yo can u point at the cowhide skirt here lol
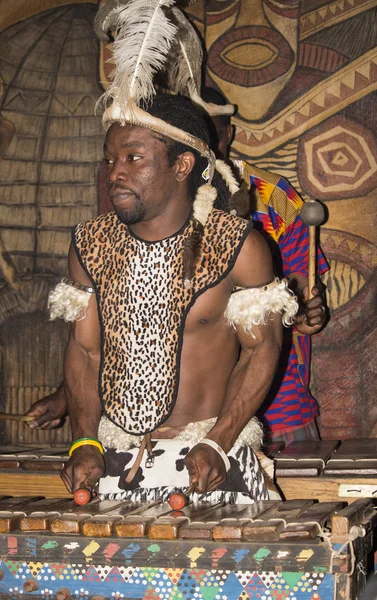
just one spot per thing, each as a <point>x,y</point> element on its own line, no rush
<point>244,482</point>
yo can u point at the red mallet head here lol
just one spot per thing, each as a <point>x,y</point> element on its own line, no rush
<point>177,501</point>
<point>81,497</point>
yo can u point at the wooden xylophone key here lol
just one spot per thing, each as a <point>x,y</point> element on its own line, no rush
<point>10,456</point>
<point>11,511</point>
<point>72,520</point>
<point>106,525</point>
<point>44,463</point>
<point>304,458</point>
<point>269,523</point>
<point>355,458</point>
<point>232,528</point>
<point>167,528</point>
<point>136,524</point>
<point>170,527</point>
<point>202,525</point>
<point>359,512</point>
<point>308,525</point>
<point>38,514</point>
<point>32,458</point>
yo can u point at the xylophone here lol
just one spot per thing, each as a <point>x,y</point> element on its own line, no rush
<point>32,471</point>
<point>328,470</point>
<point>51,548</point>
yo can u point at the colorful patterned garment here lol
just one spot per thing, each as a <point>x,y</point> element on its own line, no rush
<point>278,206</point>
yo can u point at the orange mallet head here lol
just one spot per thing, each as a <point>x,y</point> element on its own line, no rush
<point>82,496</point>
<point>178,500</point>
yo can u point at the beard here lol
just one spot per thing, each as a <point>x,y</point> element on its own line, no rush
<point>131,216</point>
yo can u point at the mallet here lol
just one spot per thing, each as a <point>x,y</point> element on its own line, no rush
<point>12,417</point>
<point>82,496</point>
<point>178,500</point>
<point>312,214</point>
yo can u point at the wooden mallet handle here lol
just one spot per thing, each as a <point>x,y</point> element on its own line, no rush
<point>312,214</point>
<point>11,417</point>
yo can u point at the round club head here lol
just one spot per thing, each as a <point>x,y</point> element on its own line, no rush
<point>177,501</point>
<point>81,497</point>
<point>312,213</point>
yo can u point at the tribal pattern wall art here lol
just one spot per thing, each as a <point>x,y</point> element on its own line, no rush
<point>304,78</point>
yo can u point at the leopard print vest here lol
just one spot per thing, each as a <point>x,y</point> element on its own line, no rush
<point>143,306</point>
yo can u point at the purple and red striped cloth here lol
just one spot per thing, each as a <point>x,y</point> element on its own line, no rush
<point>289,403</point>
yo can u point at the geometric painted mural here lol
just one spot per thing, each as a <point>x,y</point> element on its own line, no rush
<point>303,76</point>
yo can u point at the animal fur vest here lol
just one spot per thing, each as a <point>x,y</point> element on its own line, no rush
<point>143,306</point>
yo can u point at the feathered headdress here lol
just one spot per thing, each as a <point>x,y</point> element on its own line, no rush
<point>150,37</point>
<point>184,66</point>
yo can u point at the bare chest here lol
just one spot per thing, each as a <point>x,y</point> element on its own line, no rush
<point>208,309</point>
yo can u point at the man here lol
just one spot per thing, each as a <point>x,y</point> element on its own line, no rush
<point>146,348</point>
<point>289,412</point>
<point>124,76</point>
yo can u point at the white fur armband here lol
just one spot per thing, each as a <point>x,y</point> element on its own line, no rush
<point>69,301</point>
<point>249,307</point>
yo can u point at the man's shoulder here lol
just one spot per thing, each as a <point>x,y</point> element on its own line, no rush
<point>220,218</point>
<point>101,223</point>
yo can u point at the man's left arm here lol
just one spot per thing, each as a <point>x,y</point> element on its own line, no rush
<point>252,376</point>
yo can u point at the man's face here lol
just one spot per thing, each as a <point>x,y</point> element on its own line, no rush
<point>140,182</point>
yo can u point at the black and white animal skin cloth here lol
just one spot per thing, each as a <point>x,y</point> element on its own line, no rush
<point>244,482</point>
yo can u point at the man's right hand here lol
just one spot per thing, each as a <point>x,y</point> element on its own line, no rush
<point>49,412</point>
<point>84,469</point>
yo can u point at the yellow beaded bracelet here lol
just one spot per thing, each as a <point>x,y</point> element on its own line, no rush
<point>85,442</point>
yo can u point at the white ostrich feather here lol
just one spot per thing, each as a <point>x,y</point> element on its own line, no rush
<point>103,21</point>
<point>226,173</point>
<point>143,38</point>
<point>184,68</point>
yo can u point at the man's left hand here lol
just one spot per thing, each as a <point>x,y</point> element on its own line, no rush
<point>205,467</point>
<point>312,314</point>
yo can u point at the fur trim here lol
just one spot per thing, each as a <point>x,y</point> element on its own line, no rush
<point>240,202</point>
<point>219,109</point>
<point>67,302</point>
<point>203,203</point>
<point>212,109</point>
<point>226,173</point>
<point>112,436</point>
<point>250,307</point>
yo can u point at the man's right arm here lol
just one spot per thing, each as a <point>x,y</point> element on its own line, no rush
<point>81,366</point>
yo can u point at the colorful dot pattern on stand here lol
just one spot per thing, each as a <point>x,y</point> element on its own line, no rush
<point>143,583</point>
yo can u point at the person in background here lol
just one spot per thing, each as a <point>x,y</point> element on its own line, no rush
<point>289,412</point>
